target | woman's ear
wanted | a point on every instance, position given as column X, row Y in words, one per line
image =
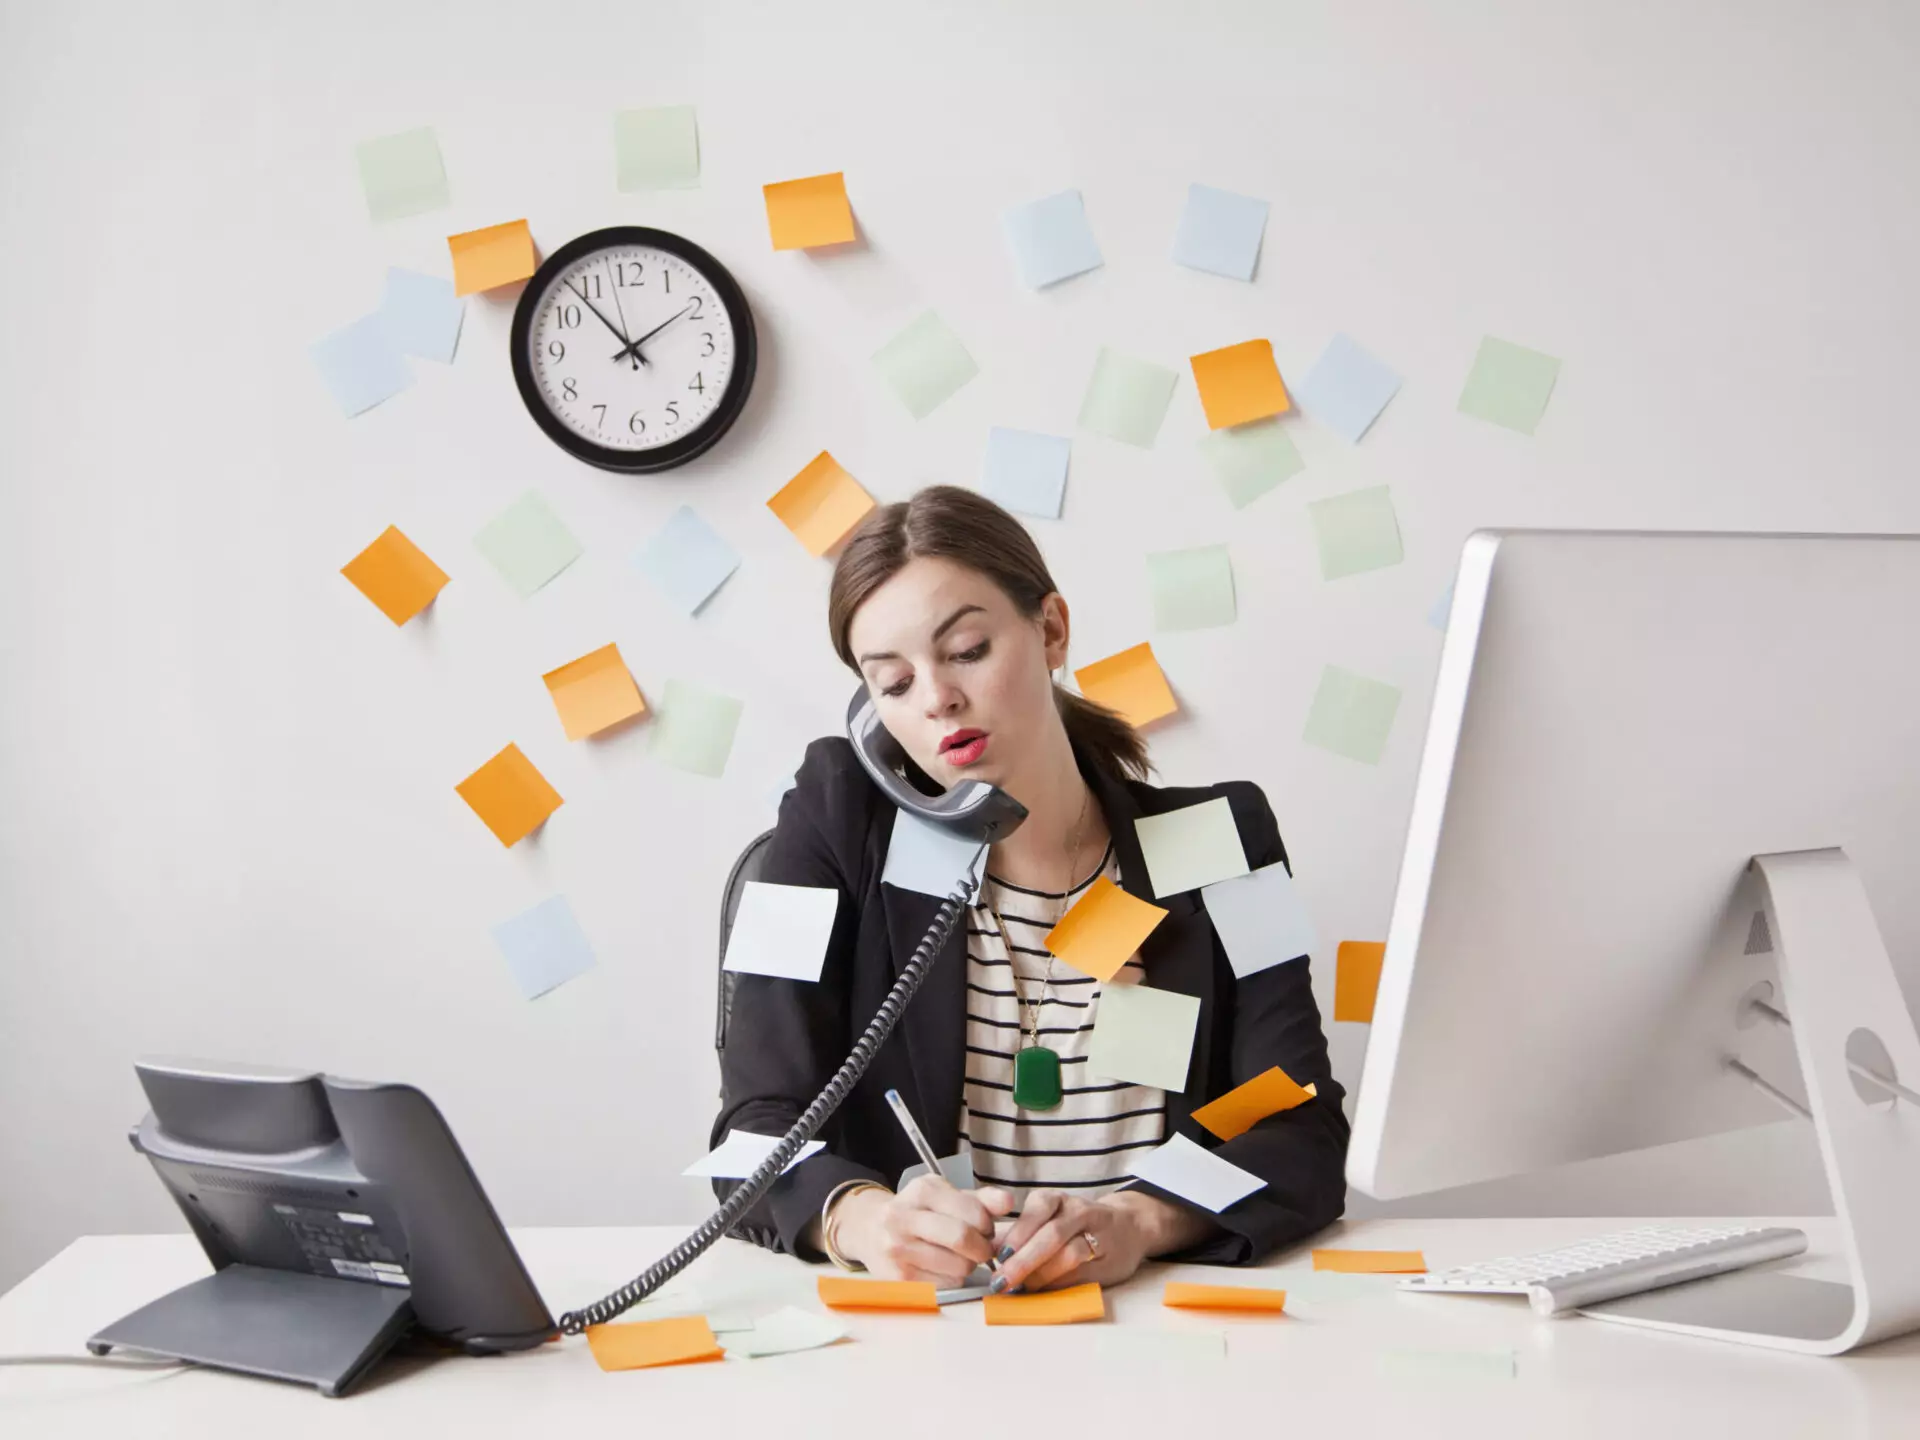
column 1055, row 626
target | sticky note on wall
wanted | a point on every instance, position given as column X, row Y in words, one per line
column 1509, row 385
column 821, row 505
column 804, row 213
column 491, row 257
column 1131, row 684
column 402, row 174
column 594, row 693
column 510, row 796
column 1239, row 383
column 1356, row 979
column 656, row 149
column 394, row 574
column 1352, row 715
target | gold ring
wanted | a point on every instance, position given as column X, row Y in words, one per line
column 1093, row 1245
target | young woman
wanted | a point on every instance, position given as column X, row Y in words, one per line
column 945, row 609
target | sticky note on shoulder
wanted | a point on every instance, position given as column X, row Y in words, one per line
column 1180, row 1295
column 804, row 213
column 1103, row 929
column 510, row 796
column 1241, row 1108
column 1190, row 847
column 1070, row 1306
column 488, row 258
column 394, row 574
column 642, row 1344
column 842, row 1292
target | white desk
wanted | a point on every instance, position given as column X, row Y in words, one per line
column 1323, row 1369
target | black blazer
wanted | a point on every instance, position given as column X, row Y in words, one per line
column 786, row 1038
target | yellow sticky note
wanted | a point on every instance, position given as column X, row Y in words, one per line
column 1183, row 1296
column 497, row 255
column 512, row 797
column 394, row 574
column 1047, row 1307
column 1356, row 978
column 809, row 212
column 841, row 1292
column 1103, row 929
column 1371, row 1262
column 594, row 692
column 821, row 504
column 1130, row 683
column 1240, row 383
column 682, row 1340
column 1245, row 1106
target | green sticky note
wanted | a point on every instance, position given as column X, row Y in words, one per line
column 1143, row 1035
column 656, row 149
column 695, row 728
column 1351, row 715
column 1193, row 846
column 924, row 364
column 402, row 174
column 1126, row 398
column 1251, row 459
column 1356, row 531
column 1192, row 589
column 1509, row 385
column 527, row 544
column 783, row 1332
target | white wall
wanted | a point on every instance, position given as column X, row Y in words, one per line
column 227, row 817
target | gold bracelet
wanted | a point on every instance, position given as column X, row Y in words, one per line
column 830, row 1219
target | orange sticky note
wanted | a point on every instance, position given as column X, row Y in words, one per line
column 682, row 1340
column 1245, row 1106
column 1356, row 978
column 594, row 692
column 1182, row 1296
column 821, row 504
column 1103, row 929
column 1240, row 383
column 841, row 1292
column 1371, row 1262
column 813, row 211
column 1130, row 683
column 394, row 574
column 510, row 795
column 1047, row 1307
column 497, row 255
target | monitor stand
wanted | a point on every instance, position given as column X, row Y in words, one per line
column 278, row 1323
column 1859, row 1058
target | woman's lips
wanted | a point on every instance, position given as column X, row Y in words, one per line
column 966, row 754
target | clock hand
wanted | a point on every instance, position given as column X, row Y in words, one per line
column 620, row 310
column 635, row 345
column 601, row 318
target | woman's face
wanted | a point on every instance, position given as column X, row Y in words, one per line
column 960, row 678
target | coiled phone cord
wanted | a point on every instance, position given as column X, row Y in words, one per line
column 804, row 1129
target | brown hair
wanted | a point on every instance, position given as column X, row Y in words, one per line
column 955, row 524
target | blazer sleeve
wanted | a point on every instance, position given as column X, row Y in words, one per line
column 1300, row 1153
column 786, row 1038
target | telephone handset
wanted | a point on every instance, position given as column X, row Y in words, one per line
column 972, row 810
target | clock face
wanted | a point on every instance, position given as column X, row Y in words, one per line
column 633, row 349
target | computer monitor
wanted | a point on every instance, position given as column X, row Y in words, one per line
column 1621, row 723
column 337, row 1214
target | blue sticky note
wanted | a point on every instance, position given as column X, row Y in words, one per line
column 544, row 946
column 687, row 560
column 1026, row 472
column 422, row 315
column 1051, row 239
column 926, row 858
column 1220, row 232
column 360, row 365
column 1442, row 609
column 1346, row 388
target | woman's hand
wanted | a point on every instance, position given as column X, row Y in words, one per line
column 1047, row 1246
column 929, row 1231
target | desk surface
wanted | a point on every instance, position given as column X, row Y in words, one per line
column 1352, row 1357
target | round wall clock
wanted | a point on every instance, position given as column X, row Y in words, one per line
column 633, row 349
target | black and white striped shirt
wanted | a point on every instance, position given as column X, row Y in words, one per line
column 1087, row 1142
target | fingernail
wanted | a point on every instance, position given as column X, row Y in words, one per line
column 999, row 1285
column 1006, row 1254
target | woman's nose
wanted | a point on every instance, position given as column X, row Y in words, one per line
column 942, row 699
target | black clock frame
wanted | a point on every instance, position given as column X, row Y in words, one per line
column 739, row 383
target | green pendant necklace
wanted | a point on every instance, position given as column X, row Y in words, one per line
column 1036, row 1069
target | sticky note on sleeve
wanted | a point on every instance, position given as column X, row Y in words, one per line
column 1103, row 929
column 1131, row 684
column 1239, row 383
column 1356, row 979
column 1180, row 1295
column 510, row 796
column 642, row 1344
column 842, row 1292
column 1195, row 1173
column 491, row 257
column 804, row 213
column 1245, row 1106
column 821, row 504
column 782, row 930
column 1260, row 919
column 394, row 574
column 1047, row 1307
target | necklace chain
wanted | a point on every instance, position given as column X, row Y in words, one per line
column 1032, row 1010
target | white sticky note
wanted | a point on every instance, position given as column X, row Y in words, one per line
column 1026, row 472
column 422, row 314
column 926, row 858
column 783, row 1332
column 1195, row 1173
column 1143, row 1035
column 782, row 930
column 957, row 1168
column 1442, row 609
column 1191, row 847
column 360, row 365
column 1050, row 239
column 687, row 560
column 1260, row 920
column 1346, row 389
column 544, row 947
column 1220, row 232
column 744, row 1152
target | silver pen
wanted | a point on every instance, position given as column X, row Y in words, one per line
column 922, row 1148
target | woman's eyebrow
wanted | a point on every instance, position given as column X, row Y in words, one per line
column 938, row 630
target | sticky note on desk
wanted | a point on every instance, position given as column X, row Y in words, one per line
column 421, row 314
column 1260, row 920
column 1192, row 588
column 1220, row 232
column 785, row 1331
column 1195, row 1173
column 1026, row 472
column 1356, row 979
column 821, row 504
column 493, row 256
column 1351, row 715
column 1130, row 683
column 1249, row 460
column 527, row 544
column 1101, row 931
column 656, row 149
column 360, row 366
column 1193, row 846
column 544, row 947
column 842, row 1292
column 394, row 574
column 510, row 796
column 804, row 213
column 1126, row 398
column 1509, row 385
column 1144, row 1036
column 696, row 728
column 1346, row 389
column 1180, row 1295
column 1355, row 532
column 594, row 693
column 743, row 1152
column 1238, row 383
column 1070, row 1306
column 1245, row 1106
column 782, row 930
column 924, row 364
column 1050, row 239
column 1371, row 1262
column 687, row 560
column 642, row 1344
column 402, row 174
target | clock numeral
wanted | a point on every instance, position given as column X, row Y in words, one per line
column 673, row 412
column 694, row 313
column 620, row 273
column 559, row 351
column 697, row 383
column 636, row 424
column 707, row 335
column 601, row 418
column 566, row 316
column 587, row 283
column 569, row 389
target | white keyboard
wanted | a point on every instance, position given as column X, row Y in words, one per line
column 1624, row 1263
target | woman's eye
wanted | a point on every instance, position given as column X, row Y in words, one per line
column 978, row 652
column 898, row 688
